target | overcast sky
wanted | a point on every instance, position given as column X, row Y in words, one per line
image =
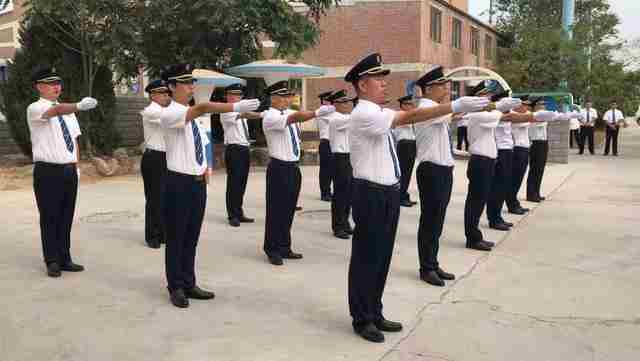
column 627, row 10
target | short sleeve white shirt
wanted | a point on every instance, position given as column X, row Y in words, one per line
column 47, row 139
column 339, row 132
column 282, row 139
column 373, row 153
column 236, row 129
column 482, row 126
column 153, row 132
column 432, row 139
column 179, row 139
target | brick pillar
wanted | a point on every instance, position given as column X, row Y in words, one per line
column 558, row 134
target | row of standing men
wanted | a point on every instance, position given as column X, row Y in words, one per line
column 370, row 171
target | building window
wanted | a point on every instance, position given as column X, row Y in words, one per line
column 436, row 25
column 456, row 34
column 475, row 42
column 488, row 47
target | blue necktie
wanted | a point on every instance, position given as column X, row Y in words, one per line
column 65, row 134
column 294, row 143
column 394, row 157
column 197, row 142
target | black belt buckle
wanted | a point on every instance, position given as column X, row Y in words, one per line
column 199, row 178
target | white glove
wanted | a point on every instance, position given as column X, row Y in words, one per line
column 545, row 116
column 325, row 110
column 562, row 116
column 87, row 103
column 469, row 104
column 506, row 104
column 246, row 105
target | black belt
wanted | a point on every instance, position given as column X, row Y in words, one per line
column 277, row 161
column 197, row 178
column 481, row 157
column 393, row 187
column 55, row 165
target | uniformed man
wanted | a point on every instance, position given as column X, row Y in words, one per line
column 462, row 134
column 324, row 151
column 538, row 154
column 520, row 132
column 376, row 190
column 406, row 143
column 154, row 162
column 187, row 177
column 434, row 176
column 587, row 119
column 342, row 172
column 237, row 156
column 54, row 132
column 613, row 119
column 283, row 174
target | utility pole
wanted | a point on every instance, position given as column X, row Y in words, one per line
column 568, row 16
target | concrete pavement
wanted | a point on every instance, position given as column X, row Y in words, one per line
column 561, row 286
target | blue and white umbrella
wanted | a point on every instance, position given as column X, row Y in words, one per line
column 208, row 80
column 276, row 70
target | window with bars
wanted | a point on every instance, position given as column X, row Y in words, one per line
column 456, row 34
column 488, row 47
column 436, row 25
column 475, row 42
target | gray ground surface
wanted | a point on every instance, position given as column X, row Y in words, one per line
column 563, row 285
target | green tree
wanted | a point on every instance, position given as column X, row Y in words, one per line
column 100, row 33
column 38, row 47
column 218, row 33
column 536, row 54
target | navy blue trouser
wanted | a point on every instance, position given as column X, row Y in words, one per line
column 500, row 186
column 341, row 202
column 520, row 164
column 407, row 158
column 376, row 211
column 154, row 174
column 480, row 174
column 283, row 189
column 434, row 183
column 326, row 167
column 237, row 160
column 55, row 187
column 185, row 203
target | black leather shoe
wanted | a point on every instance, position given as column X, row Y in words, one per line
column 432, row 278
column 508, row 224
column 370, row 333
column 488, row 243
column 298, row 208
column 275, row 259
column 53, row 270
column 388, row 326
column 542, row 198
column 480, row 246
column 445, row 275
column 154, row 243
column 326, row 198
column 292, row 255
column 341, row 234
column 406, row 203
column 413, row 202
column 178, row 298
column 499, row 226
column 234, row 222
column 244, row 219
column 349, row 230
column 534, row 199
column 71, row 267
column 518, row 211
column 198, row 293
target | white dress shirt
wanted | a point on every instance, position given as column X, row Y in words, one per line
column 432, row 138
column 282, row 138
column 588, row 119
column 180, row 142
column 47, row 139
column 538, row 131
column 520, row 132
column 236, row 129
column 339, row 132
column 463, row 122
column 481, row 129
column 504, row 137
column 611, row 119
column 204, row 121
column 153, row 132
column 323, row 127
column 373, row 153
column 405, row 132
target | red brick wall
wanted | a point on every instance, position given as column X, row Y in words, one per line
column 351, row 32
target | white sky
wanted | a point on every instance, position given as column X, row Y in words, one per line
column 627, row 10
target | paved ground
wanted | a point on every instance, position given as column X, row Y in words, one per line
column 563, row 285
